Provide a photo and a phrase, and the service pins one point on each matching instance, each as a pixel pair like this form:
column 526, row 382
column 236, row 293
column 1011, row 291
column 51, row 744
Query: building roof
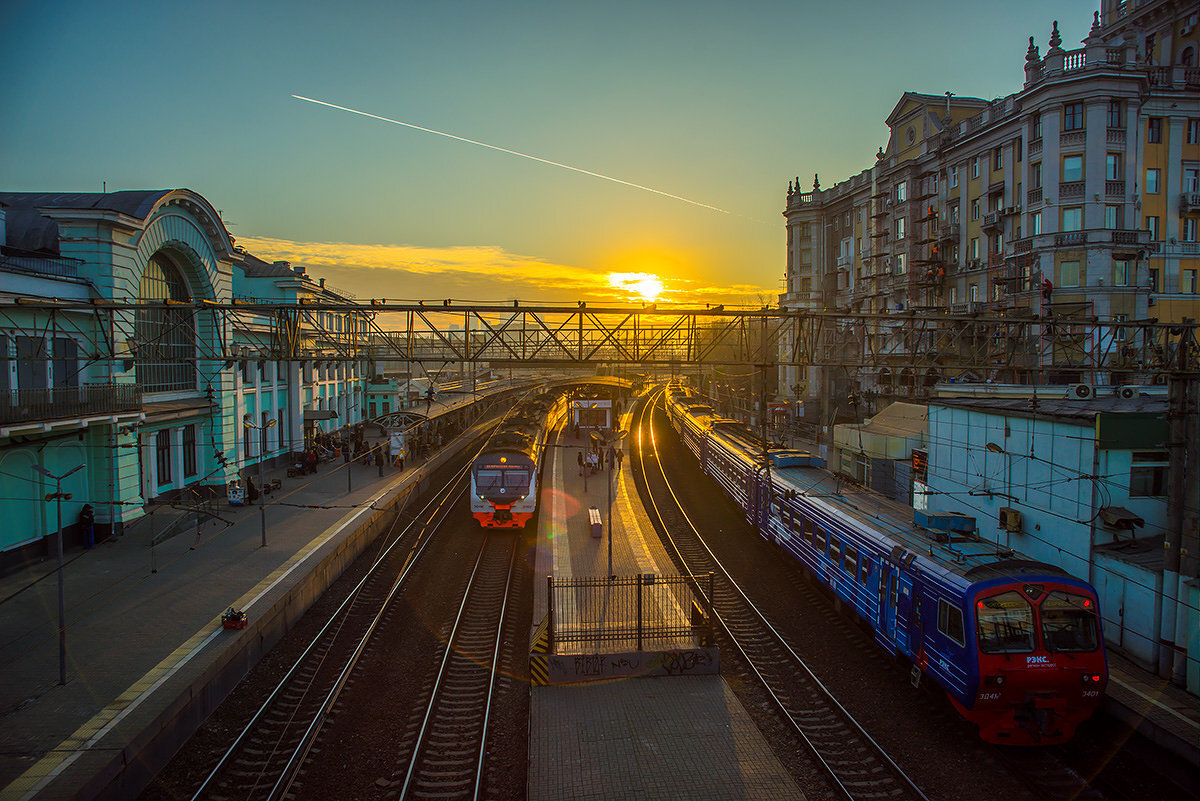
column 899, row 420
column 257, row 268
column 1060, row 408
column 28, row 230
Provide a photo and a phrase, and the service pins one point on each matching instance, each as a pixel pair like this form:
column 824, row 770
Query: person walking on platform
column 580, row 455
column 620, row 458
column 87, row 522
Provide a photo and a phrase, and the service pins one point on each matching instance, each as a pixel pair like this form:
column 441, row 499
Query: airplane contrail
column 513, row 152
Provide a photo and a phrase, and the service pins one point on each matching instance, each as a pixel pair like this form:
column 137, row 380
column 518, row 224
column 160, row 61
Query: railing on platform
column 588, row 614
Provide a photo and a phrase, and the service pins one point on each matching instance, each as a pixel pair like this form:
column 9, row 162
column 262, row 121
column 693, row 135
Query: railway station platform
column 683, row 736
column 147, row 657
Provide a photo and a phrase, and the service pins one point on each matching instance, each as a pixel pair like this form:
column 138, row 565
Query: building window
column 66, row 362
column 953, row 177
column 901, row 263
column 998, row 158
column 1187, row 282
column 1037, row 127
column 1035, row 223
column 1152, row 226
column 975, row 168
column 1193, row 132
column 281, row 424
column 1072, row 218
column 1073, row 117
column 973, row 293
column 1189, row 231
column 1035, row 175
column 1153, row 176
column 1072, row 168
column 1068, row 273
column 166, row 355
column 189, row 451
column 1154, row 130
column 1120, row 272
column 33, row 363
column 1018, row 149
column 975, row 209
column 975, row 248
column 1112, row 217
column 900, row 223
column 1114, row 114
column 902, row 191
column 263, row 442
column 1112, row 167
column 1153, row 271
column 953, row 295
column 1191, row 179
column 1148, row 474
column 998, row 244
column 246, row 442
column 1120, row 332
column 162, row 455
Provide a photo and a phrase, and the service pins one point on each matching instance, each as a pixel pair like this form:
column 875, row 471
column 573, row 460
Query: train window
column 835, row 549
column 488, row 480
column 1005, row 624
column 797, row 524
column 518, row 479
column 1069, row 622
column 950, row 621
column 851, row 565
column 810, row 528
column 867, row 567
column 818, row 537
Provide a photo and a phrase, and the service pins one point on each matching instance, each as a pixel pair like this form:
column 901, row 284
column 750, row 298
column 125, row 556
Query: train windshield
column 1005, row 624
column 1069, row 622
column 492, row 481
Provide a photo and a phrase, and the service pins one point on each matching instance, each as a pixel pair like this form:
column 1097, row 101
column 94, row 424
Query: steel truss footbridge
column 982, row 344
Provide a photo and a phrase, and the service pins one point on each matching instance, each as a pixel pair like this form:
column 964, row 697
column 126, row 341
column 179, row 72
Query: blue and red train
column 1016, row 644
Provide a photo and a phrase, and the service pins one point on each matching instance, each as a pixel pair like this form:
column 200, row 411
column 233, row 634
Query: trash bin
column 596, row 523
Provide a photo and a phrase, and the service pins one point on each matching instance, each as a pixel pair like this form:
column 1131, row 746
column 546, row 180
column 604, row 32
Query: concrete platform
column 677, row 736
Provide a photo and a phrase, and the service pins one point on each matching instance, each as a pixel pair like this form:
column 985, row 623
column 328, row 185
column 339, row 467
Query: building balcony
column 1114, row 189
column 948, row 232
column 993, row 221
column 58, row 403
column 1071, row 138
column 1035, row 147
column 1189, row 202
column 1072, row 189
column 1116, row 136
column 1093, row 237
column 1034, row 197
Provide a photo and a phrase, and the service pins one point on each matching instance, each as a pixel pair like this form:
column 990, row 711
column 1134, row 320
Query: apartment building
column 1077, row 197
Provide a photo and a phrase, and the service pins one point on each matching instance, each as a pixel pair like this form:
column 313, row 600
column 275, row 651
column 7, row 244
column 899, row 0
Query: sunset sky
column 717, row 103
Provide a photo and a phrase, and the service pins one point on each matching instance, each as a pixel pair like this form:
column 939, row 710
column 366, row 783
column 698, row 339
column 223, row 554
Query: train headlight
column 994, row 681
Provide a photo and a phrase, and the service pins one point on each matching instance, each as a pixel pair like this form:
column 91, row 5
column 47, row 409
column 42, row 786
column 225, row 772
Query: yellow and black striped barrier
column 539, row 652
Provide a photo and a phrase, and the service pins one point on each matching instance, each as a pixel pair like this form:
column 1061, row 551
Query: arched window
column 1187, row 58
column 166, row 356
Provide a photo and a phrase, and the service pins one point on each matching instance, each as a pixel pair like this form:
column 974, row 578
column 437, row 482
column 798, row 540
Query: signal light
column 1087, row 602
column 1091, row 678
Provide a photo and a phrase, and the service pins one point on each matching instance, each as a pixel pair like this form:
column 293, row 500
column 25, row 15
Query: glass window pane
column 1069, row 623
column 1004, row 624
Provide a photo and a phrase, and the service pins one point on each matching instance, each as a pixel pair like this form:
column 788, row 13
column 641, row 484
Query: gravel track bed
column 361, row 743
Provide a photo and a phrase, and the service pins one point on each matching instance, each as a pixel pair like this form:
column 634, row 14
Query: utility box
column 595, row 522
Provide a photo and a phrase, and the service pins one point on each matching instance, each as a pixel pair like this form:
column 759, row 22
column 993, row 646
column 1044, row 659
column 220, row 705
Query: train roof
column 967, row 556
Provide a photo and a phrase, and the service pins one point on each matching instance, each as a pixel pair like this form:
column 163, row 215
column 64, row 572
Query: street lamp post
column 262, row 487
column 58, row 496
column 607, row 443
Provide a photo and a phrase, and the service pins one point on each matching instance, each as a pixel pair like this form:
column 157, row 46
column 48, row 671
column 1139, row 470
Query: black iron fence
column 55, row 403
column 590, row 615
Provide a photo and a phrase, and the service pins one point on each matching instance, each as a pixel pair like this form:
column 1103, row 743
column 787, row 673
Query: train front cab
column 1040, row 667
column 503, row 490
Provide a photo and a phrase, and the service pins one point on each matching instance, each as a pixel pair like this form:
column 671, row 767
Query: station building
column 1077, row 196
column 153, row 402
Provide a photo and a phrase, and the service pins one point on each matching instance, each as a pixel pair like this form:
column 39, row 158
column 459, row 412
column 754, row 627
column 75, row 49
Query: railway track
column 858, row 767
column 265, row 759
column 447, row 753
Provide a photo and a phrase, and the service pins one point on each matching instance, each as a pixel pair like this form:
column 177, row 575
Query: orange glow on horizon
column 642, row 286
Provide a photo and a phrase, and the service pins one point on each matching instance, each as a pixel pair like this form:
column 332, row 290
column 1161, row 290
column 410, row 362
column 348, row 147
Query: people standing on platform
column 620, row 458
column 580, row 455
column 310, row 460
column 251, row 490
column 87, row 522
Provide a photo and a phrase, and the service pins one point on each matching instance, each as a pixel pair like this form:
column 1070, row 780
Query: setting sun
column 642, row 286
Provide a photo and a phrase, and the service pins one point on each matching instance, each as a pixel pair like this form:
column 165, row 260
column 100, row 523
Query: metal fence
column 30, row 405
column 586, row 615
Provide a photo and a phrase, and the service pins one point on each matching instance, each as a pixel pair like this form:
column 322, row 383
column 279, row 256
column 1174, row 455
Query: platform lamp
column 58, row 495
column 262, row 488
column 606, row 443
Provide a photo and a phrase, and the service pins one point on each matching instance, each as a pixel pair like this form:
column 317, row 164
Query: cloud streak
column 482, row 273
column 513, row 153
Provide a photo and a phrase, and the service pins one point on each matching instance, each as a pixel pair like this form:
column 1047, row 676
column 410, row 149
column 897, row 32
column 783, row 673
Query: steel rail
column 338, row 615
column 470, row 593
column 905, row 781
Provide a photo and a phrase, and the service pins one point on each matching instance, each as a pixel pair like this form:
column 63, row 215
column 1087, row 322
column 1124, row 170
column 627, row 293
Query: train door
column 903, row 604
column 887, row 600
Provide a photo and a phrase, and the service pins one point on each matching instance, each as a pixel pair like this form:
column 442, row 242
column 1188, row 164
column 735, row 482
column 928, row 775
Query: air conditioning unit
column 1127, row 393
column 1010, row 519
column 1080, row 391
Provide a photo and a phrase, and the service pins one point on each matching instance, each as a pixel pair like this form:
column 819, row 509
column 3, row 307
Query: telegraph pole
column 58, row 495
column 1182, row 445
